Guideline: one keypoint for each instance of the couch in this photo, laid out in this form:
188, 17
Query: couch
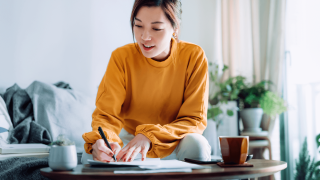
62, 111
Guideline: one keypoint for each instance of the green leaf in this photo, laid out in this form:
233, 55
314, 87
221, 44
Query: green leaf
230, 112
317, 174
212, 77
317, 164
210, 114
225, 68
225, 94
234, 94
214, 112
318, 140
228, 87
272, 104
305, 168
311, 170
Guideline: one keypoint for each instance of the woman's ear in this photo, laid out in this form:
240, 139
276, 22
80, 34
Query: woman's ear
175, 33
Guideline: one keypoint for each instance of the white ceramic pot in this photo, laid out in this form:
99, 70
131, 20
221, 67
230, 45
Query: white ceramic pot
251, 119
63, 158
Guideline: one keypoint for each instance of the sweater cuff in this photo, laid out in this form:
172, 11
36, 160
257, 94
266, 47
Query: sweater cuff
91, 137
150, 136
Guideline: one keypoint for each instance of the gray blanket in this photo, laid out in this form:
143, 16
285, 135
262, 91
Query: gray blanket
20, 110
62, 111
23, 168
43, 111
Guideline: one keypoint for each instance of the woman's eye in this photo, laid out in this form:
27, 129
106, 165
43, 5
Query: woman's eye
158, 29
138, 26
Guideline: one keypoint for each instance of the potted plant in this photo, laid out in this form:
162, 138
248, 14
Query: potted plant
63, 154
221, 92
255, 100
307, 168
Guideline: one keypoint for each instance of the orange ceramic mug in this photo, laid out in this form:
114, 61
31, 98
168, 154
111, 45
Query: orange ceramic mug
234, 149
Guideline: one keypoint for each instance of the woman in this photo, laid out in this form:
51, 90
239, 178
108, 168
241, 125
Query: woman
153, 97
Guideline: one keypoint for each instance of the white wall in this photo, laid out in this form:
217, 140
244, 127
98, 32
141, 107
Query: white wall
59, 40
201, 24
72, 40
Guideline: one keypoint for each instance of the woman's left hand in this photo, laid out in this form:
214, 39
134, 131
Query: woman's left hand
139, 144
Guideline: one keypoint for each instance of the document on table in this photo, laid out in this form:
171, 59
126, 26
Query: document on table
153, 171
175, 164
151, 164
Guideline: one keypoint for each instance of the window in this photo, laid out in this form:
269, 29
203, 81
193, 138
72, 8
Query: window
302, 75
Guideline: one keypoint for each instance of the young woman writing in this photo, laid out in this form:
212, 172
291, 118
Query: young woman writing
152, 100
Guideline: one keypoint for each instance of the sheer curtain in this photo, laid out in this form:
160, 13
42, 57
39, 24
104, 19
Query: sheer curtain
302, 78
253, 38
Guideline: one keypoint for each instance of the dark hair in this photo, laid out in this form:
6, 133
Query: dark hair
171, 8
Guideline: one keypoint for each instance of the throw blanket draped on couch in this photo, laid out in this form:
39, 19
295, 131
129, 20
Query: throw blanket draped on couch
43, 111
20, 109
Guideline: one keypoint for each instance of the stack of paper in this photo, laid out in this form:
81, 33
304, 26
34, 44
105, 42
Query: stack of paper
150, 166
24, 148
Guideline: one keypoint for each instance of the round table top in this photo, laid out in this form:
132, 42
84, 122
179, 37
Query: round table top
261, 167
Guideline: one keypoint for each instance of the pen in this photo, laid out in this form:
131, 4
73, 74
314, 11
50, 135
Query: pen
106, 141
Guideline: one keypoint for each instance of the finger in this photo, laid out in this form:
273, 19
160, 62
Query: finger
94, 155
115, 148
134, 154
101, 156
122, 152
103, 147
144, 153
105, 157
128, 154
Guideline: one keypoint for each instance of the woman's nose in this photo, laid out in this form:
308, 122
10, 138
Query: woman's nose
145, 36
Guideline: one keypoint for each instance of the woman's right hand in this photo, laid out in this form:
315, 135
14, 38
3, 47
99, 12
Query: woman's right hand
101, 152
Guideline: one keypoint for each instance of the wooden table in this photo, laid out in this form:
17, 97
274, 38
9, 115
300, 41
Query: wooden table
261, 168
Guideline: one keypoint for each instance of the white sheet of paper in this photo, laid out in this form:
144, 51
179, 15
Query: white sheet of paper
153, 171
174, 164
148, 162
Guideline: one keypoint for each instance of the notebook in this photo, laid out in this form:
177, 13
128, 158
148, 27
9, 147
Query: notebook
24, 148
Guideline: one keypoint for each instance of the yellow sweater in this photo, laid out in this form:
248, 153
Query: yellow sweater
162, 100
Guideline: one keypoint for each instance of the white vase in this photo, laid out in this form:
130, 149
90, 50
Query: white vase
63, 157
251, 119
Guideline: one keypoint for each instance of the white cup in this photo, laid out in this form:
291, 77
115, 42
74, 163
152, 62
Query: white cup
63, 158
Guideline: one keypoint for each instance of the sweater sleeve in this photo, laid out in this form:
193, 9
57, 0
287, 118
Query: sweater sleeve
110, 97
192, 116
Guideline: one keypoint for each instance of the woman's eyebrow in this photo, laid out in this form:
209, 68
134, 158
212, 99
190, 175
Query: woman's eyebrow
156, 22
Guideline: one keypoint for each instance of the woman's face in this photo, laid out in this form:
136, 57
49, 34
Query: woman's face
153, 32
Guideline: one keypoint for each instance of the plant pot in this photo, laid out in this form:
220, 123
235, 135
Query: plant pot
63, 157
251, 119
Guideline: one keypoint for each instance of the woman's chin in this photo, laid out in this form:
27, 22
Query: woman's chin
147, 55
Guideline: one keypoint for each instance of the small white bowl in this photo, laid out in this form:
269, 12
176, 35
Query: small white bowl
63, 158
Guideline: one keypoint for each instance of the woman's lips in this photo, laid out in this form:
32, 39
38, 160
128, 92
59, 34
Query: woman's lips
147, 49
